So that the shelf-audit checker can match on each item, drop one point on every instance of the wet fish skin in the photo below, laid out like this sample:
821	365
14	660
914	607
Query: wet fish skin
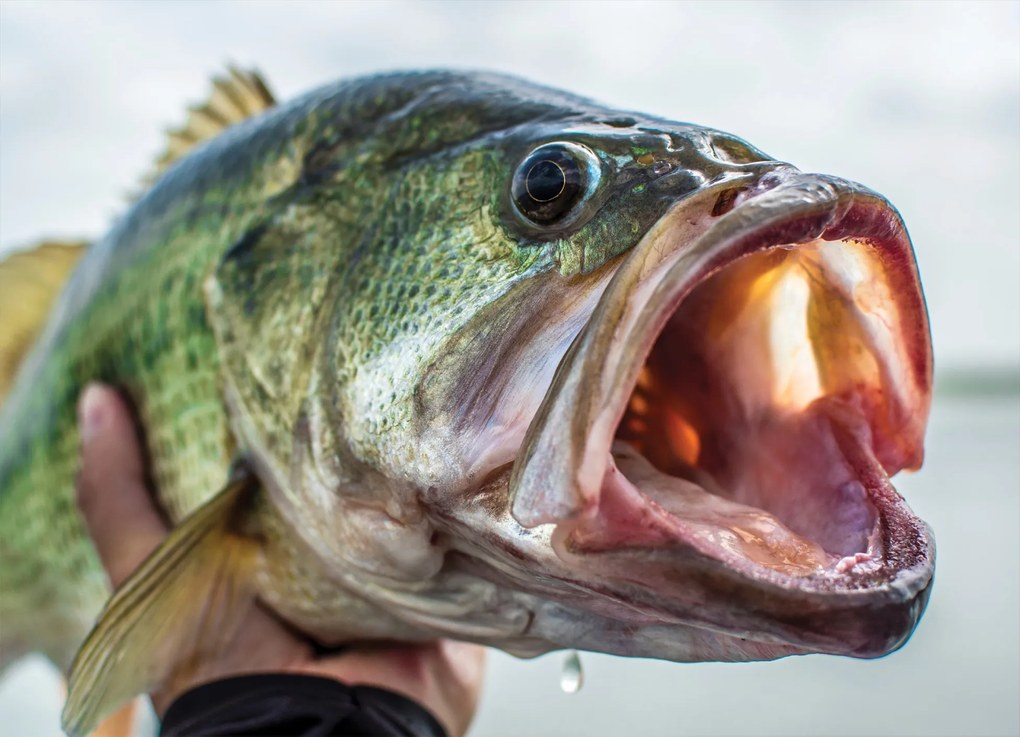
419	391
383	194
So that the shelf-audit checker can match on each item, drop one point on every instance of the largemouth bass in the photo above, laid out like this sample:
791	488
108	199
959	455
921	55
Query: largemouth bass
450	354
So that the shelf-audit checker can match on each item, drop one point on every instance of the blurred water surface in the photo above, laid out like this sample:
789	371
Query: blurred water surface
919	100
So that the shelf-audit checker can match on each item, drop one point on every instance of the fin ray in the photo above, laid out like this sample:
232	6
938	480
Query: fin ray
236	97
182	603
29	284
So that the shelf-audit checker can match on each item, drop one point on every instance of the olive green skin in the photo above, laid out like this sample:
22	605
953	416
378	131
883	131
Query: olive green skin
243	300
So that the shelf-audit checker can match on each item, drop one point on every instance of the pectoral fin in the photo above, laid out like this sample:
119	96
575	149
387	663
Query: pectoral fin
180	606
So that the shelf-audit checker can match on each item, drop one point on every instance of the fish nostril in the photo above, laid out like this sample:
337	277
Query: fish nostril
726	201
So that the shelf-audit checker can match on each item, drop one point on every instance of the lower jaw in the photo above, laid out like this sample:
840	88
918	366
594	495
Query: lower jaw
775	523
682	556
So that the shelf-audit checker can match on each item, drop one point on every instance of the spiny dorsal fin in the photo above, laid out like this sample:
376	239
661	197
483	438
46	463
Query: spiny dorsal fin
29	283
180	608
236	97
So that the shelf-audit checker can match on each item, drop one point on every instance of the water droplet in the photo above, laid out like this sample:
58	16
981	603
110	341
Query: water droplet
572	676
661	167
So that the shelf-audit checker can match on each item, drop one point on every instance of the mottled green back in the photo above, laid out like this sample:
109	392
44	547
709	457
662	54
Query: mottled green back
350	256
349	163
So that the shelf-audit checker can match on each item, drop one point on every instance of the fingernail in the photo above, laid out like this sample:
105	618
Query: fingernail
90	411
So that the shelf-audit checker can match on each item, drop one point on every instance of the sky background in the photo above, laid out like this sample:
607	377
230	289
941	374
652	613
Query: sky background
920	101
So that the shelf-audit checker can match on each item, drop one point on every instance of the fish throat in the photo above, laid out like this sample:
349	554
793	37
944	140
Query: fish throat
734	425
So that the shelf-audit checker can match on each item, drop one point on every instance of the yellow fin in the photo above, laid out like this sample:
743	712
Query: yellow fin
181	605
236	97
29	283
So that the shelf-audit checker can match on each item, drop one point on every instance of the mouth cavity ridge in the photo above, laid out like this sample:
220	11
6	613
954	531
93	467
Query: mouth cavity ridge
729	443
749	436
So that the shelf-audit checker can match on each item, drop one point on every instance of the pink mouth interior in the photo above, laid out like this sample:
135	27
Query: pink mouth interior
754	431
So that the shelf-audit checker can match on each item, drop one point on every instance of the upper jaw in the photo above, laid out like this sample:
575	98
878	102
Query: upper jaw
648	546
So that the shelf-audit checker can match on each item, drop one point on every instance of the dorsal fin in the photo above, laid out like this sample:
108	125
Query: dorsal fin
29	283
236	97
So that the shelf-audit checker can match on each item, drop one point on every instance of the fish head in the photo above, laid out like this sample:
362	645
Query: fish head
630	386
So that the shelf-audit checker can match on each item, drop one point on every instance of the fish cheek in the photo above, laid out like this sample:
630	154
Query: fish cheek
264	303
269	302
620	218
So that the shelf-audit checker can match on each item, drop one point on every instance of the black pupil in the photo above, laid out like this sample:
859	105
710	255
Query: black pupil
545	181
549	183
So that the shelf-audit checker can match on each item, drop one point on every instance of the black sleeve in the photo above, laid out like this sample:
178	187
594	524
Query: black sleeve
294	705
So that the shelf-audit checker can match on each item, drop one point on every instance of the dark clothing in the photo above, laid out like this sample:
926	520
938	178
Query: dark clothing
291	705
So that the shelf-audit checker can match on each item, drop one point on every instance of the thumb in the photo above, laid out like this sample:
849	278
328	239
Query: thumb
118	508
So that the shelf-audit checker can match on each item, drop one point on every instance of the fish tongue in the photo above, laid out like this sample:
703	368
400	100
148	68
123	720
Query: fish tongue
642	507
813	469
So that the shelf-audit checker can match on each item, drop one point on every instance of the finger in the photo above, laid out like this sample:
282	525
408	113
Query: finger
459	670
111	492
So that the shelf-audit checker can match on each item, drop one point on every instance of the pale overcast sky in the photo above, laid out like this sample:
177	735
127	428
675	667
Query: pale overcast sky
920	101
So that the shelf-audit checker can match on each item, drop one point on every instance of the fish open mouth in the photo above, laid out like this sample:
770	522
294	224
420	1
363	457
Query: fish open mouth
726	425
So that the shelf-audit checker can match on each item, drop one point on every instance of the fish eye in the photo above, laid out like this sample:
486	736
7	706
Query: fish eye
552	180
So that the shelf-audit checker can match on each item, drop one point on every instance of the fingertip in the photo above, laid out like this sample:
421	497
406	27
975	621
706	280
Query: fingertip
458	650
102	412
107	432
92	407
92	412
97	408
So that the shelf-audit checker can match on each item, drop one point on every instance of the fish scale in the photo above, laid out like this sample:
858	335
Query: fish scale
381	342
133	315
178	405
140	331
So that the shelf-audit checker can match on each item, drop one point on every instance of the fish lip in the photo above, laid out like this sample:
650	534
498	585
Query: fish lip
865	616
558	474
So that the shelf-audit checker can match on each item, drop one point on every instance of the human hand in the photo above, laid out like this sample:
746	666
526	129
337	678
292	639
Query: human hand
445	677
